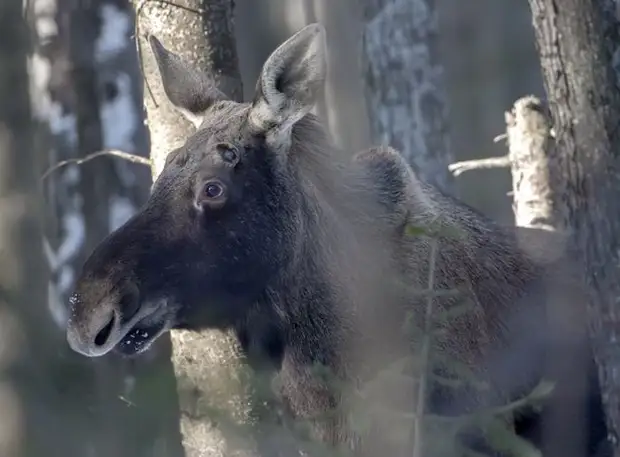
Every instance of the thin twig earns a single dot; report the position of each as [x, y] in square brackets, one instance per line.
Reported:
[139, 49]
[106, 152]
[425, 354]
[459, 168]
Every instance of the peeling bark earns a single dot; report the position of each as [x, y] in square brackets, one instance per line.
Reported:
[578, 42]
[405, 91]
[533, 165]
[212, 382]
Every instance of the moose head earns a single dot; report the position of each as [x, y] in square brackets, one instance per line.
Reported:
[223, 217]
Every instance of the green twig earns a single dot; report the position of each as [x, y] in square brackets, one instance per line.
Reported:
[425, 355]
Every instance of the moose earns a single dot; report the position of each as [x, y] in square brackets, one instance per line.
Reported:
[257, 224]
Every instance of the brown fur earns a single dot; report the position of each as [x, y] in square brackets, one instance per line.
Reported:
[308, 258]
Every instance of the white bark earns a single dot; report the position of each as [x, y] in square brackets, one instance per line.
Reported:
[533, 166]
[212, 385]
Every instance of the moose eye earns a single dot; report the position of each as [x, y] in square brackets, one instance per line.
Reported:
[213, 189]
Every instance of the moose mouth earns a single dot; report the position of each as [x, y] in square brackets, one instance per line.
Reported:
[141, 335]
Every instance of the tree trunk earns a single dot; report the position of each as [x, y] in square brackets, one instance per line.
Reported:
[208, 365]
[108, 116]
[29, 377]
[87, 98]
[577, 42]
[541, 232]
[405, 91]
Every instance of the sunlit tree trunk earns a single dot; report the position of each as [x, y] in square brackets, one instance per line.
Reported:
[210, 373]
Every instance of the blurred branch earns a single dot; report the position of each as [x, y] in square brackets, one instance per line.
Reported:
[425, 355]
[459, 168]
[106, 152]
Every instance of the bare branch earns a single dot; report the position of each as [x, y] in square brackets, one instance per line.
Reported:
[106, 152]
[459, 168]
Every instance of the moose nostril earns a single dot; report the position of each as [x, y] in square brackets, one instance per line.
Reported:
[104, 333]
[129, 303]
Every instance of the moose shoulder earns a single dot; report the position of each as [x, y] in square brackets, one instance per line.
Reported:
[257, 224]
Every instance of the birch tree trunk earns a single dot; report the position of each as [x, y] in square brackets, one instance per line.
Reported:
[104, 78]
[208, 366]
[577, 43]
[28, 341]
[86, 98]
[405, 92]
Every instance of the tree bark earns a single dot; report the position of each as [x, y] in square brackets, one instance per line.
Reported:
[405, 91]
[210, 373]
[533, 165]
[542, 234]
[577, 41]
[28, 341]
[108, 116]
[86, 98]
[201, 32]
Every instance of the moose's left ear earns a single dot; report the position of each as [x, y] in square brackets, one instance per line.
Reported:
[190, 91]
[290, 81]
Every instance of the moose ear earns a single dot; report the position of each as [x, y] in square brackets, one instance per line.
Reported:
[290, 81]
[189, 90]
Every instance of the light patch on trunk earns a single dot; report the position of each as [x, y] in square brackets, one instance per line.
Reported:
[39, 67]
[74, 231]
[121, 209]
[114, 29]
[56, 307]
[63, 124]
[40, 70]
[119, 117]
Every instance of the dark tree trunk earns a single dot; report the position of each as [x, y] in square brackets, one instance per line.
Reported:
[405, 91]
[209, 369]
[576, 40]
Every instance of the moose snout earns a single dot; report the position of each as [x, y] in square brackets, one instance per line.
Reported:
[95, 333]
